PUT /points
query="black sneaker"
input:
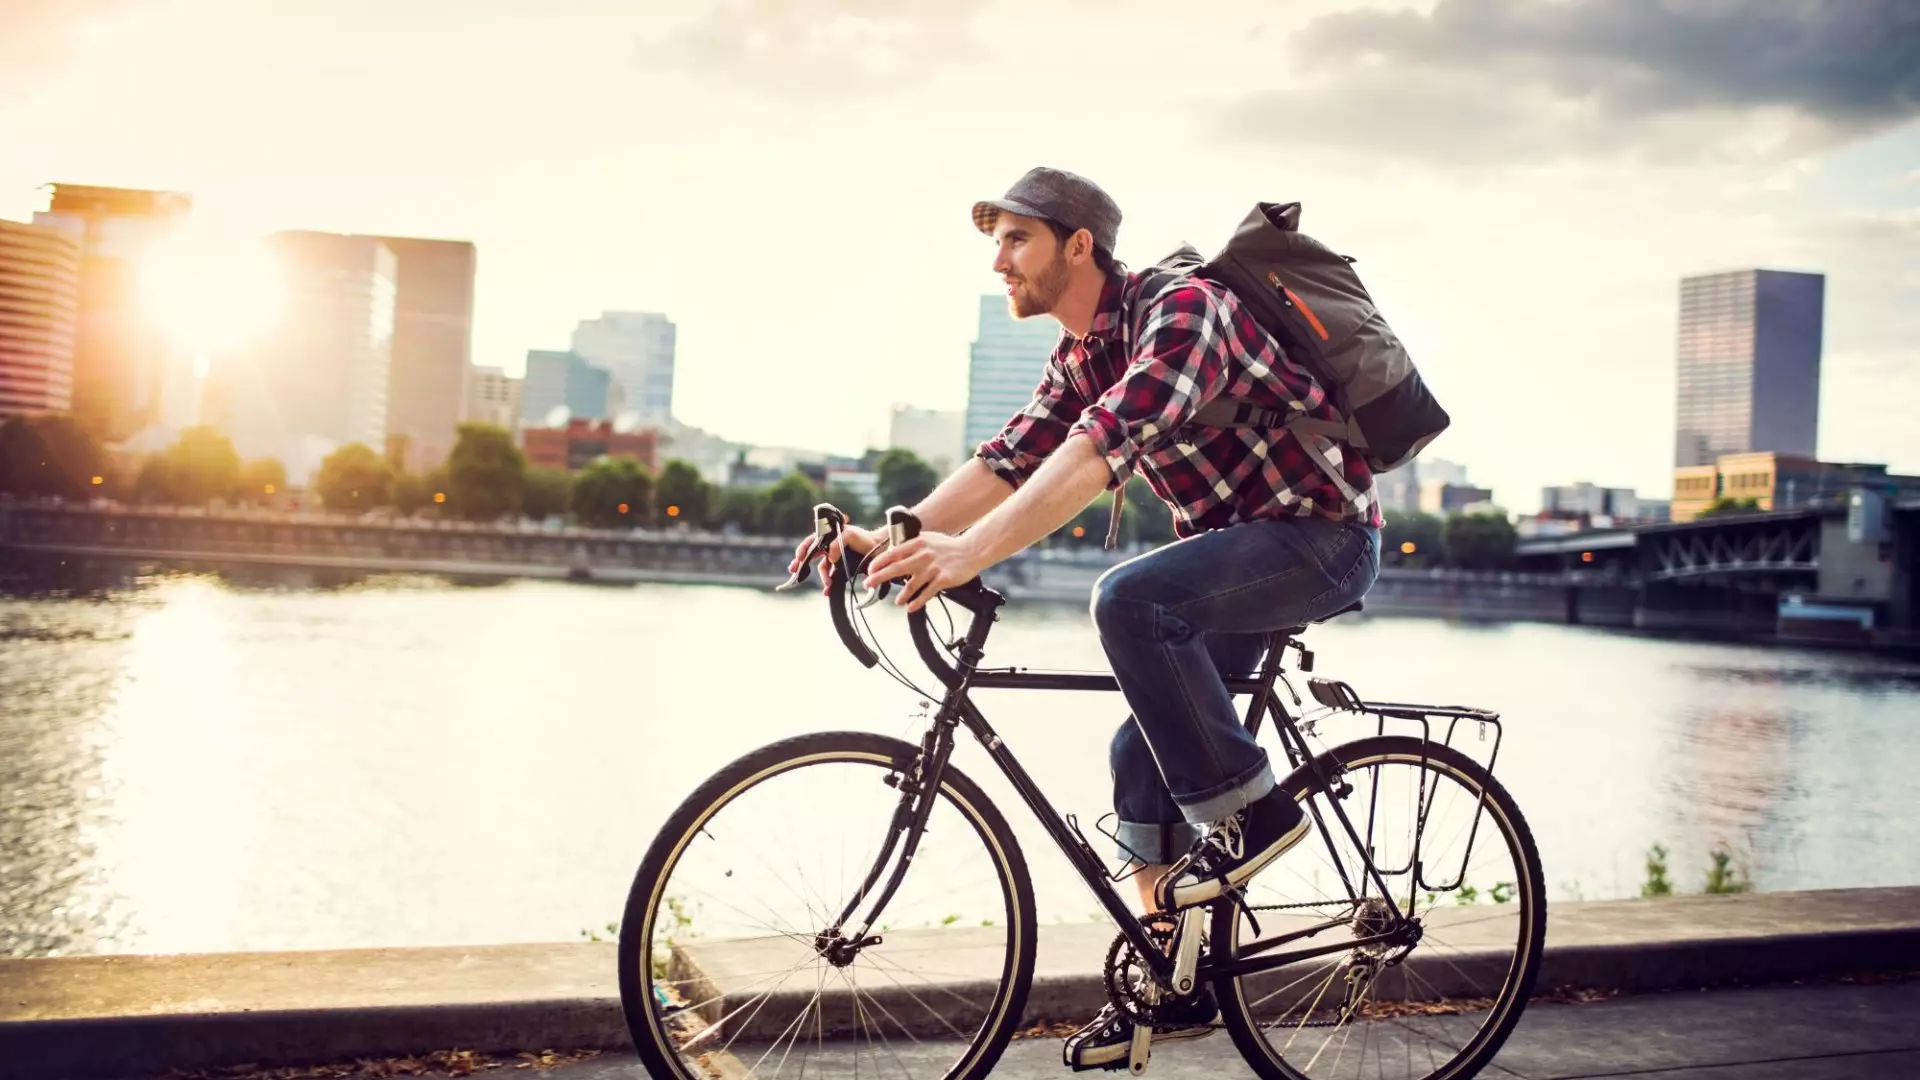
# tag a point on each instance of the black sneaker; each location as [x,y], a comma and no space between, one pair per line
[1239,847]
[1106,1041]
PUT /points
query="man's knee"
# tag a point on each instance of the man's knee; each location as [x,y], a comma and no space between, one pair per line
[1119,604]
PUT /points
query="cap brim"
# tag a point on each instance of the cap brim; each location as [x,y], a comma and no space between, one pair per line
[985,214]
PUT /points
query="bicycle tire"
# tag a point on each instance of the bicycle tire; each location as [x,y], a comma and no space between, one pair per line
[1507,1009]
[644,897]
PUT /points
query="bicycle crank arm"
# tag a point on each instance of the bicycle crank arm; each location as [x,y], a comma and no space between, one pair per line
[1140,1048]
[1186,950]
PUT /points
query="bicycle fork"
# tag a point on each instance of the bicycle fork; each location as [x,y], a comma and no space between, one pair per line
[919,786]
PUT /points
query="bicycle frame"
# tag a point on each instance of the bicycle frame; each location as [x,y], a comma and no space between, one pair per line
[957,709]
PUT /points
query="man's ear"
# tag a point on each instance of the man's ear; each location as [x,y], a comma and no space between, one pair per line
[1082,244]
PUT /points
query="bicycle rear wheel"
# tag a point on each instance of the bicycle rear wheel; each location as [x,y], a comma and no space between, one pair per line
[1455,855]
[734,957]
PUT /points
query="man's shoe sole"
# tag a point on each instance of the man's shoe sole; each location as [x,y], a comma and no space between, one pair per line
[1200,892]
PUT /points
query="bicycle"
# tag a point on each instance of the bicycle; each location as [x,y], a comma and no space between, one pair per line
[1434,968]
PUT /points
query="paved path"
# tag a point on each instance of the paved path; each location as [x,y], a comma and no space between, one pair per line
[1773,1033]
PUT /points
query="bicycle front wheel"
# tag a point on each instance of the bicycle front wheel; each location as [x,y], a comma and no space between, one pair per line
[737,955]
[1459,867]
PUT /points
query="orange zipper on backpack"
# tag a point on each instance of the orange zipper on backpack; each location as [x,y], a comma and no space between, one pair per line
[1294,299]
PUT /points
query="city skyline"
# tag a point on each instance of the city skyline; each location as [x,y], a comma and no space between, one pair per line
[1521,219]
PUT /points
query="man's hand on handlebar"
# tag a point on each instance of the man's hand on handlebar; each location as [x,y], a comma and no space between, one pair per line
[930,563]
[848,536]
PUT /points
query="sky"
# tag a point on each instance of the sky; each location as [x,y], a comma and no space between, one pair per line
[1523,182]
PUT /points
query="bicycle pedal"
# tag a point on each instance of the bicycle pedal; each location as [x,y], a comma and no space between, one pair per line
[1140,1048]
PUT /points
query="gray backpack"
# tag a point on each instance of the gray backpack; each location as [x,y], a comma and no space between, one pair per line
[1312,302]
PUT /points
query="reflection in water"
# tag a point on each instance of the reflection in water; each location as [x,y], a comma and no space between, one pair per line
[274,759]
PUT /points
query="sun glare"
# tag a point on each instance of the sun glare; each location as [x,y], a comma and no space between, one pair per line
[210,292]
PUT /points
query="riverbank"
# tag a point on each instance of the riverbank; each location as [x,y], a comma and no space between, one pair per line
[96,1017]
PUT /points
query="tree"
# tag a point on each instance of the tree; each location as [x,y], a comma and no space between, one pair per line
[740,509]
[410,493]
[849,502]
[789,506]
[153,486]
[1724,505]
[486,474]
[201,465]
[613,493]
[50,454]
[683,495]
[354,479]
[903,479]
[548,492]
[1147,518]
[1480,541]
[1424,531]
[260,481]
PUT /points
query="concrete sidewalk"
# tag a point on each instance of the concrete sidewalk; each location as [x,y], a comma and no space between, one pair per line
[1833,1032]
[113,1016]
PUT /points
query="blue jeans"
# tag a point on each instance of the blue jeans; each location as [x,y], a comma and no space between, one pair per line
[1178,619]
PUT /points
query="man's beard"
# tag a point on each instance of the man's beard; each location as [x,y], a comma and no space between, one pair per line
[1040,293]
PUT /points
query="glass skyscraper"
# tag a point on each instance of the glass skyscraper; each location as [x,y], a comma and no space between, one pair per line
[1009,356]
[1749,364]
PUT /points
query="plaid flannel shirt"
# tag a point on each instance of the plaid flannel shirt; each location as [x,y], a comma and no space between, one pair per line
[1137,406]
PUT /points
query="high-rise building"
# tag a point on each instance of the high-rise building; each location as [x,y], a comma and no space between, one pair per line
[493,397]
[636,348]
[121,356]
[317,379]
[39,310]
[1749,365]
[934,435]
[1009,356]
[555,379]
[432,346]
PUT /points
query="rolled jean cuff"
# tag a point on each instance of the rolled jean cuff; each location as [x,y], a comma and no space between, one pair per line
[1231,796]
[1155,843]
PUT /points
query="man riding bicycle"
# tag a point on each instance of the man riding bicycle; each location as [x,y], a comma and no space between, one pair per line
[1267,538]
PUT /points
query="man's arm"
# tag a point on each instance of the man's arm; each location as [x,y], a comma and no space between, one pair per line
[962,499]
[1059,489]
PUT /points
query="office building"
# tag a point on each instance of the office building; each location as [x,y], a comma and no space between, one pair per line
[493,397]
[1398,490]
[39,315]
[1780,482]
[556,380]
[1602,505]
[636,348]
[432,346]
[1749,365]
[1008,358]
[935,436]
[317,379]
[121,356]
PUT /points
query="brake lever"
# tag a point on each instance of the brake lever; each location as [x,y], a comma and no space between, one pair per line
[828,520]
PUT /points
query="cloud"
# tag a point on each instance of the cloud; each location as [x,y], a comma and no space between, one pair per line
[1661,79]
[806,50]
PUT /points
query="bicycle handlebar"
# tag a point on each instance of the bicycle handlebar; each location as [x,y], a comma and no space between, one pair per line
[902,526]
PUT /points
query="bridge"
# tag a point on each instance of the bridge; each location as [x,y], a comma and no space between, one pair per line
[1849,570]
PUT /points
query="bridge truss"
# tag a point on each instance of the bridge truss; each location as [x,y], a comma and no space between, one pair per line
[1732,546]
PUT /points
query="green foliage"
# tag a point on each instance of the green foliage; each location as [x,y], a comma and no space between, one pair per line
[681,485]
[486,474]
[1723,876]
[1657,883]
[849,501]
[742,508]
[607,485]
[788,510]
[1724,505]
[903,479]
[548,492]
[202,465]
[354,479]
[49,454]
[1427,534]
[410,493]
[261,481]
[1480,541]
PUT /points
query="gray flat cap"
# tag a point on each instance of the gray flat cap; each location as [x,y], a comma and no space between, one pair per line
[1059,196]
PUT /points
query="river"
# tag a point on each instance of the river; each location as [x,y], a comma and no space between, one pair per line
[201,762]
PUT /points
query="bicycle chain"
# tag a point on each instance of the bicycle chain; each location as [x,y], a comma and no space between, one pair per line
[1295,907]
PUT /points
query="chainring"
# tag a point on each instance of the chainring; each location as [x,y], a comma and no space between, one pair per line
[1128,980]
